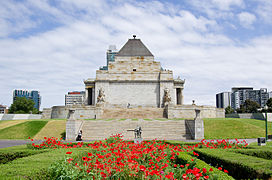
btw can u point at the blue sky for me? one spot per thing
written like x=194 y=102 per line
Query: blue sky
x=52 y=46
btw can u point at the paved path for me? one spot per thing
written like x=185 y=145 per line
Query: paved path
x=10 y=143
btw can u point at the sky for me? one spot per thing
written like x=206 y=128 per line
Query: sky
x=53 y=45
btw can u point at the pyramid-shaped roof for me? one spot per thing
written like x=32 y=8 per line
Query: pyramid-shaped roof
x=134 y=47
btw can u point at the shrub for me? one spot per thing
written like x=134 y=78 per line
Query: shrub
x=185 y=158
x=242 y=166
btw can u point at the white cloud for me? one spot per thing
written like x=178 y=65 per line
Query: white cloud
x=57 y=60
x=227 y=4
x=246 y=19
x=264 y=10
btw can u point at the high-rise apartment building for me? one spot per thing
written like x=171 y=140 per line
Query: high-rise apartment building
x=239 y=95
x=223 y=100
x=33 y=95
x=111 y=53
x=74 y=98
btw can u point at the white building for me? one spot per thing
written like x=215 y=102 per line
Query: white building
x=134 y=78
x=75 y=98
x=223 y=100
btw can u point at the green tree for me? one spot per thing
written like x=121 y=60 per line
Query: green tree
x=229 y=110
x=22 y=105
x=269 y=104
x=249 y=106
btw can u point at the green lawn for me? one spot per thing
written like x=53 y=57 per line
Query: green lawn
x=223 y=128
x=22 y=130
x=23 y=168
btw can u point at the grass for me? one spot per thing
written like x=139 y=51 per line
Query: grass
x=28 y=166
x=134 y=119
x=52 y=129
x=230 y=128
x=23 y=130
x=148 y=119
x=122 y=119
x=5 y=124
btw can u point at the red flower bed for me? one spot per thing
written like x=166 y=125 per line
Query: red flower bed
x=150 y=159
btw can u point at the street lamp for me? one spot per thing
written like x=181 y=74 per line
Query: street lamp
x=265 y=107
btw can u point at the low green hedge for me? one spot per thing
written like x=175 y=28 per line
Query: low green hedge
x=265 y=154
x=240 y=166
x=185 y=158
x=6 y=157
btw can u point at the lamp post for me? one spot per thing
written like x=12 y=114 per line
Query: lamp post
x=265 y=107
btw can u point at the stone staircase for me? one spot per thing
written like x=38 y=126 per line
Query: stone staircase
x=118 y=113
x=151 y=129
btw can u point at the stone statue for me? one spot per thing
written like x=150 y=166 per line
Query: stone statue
x=138 y=132
x=167 y=97
x=101 y=96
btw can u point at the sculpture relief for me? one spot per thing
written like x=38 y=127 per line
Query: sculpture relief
x=167 y=97
x=101 y=96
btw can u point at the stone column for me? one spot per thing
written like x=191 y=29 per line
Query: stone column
x=72 y=126
x=86 y=96
x=181 y=96
x=199 y=126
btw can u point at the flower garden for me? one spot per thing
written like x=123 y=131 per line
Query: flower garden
x=115 y=158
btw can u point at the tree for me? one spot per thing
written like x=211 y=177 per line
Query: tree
x=229 y=110
x=269 y=104
x=249 y=106
x=22 y=105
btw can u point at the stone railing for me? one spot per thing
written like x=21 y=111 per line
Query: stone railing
x=19 y=116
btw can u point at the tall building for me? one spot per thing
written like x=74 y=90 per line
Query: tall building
x=33 y=95
x=74 y=98
x=111 y=53
x=239 y=96
x=270 y=94
x=223 y=100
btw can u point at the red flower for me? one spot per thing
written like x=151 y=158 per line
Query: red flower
x=226 y=171
x=204 y=170
x=220 y=168
x=68 y=152
x=206 y=177
x=211 y=170
x=142 y=167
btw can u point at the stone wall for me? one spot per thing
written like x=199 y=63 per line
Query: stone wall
x=188 y=112
x=260 y=116
x=82 y=112
x=46 y=113
x=19 y=116
x=72 y=128
x=137 y=94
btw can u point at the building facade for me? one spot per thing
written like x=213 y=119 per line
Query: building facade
x=33 y=95
x=133 y=78
x=133 y=85
x=3 y=109
x=239 y=95
x=223 y=100
x=75 y=98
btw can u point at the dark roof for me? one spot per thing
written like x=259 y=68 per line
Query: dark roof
x=134 y=47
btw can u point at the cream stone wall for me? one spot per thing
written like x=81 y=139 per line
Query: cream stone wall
x=188 y=112
x=145 y=94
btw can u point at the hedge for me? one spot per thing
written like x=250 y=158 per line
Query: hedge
x=265 y=154
x=6 y=157
x=185 y=158
x=240 y=166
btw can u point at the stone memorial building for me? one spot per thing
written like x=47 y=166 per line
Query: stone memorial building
x=133 y=85
x=134 y=79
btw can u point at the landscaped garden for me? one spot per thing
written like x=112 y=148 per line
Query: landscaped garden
x=215 y=128
x=118 y=159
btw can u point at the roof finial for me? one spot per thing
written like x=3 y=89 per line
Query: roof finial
x=134 y=36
